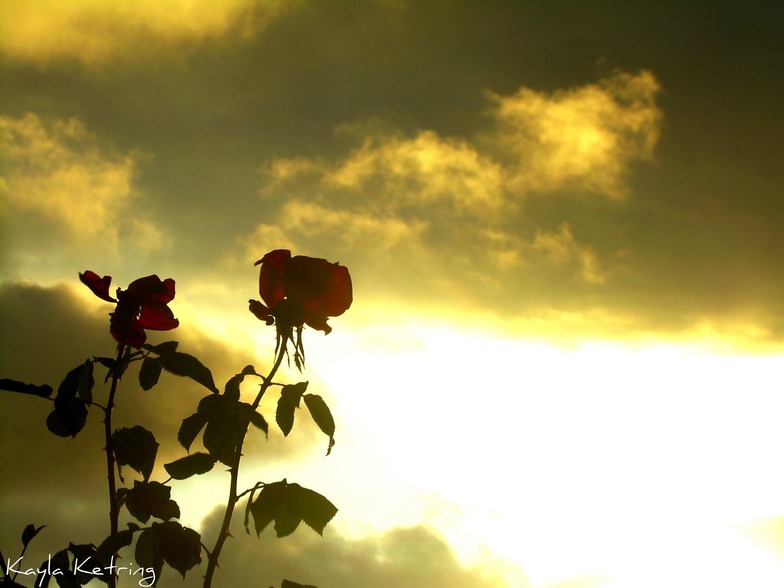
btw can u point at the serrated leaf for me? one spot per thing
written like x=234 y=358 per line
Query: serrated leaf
x=249 y=370
x=68 y=417
x=290 y=584
x=182 y=364
x=29 y=532
x=231 y=392
x=57 y=563
x=190 y=428
x=287 y=404
x=113 y=543
x=213 y=404
x=148 y=551
x=313 y=508
x=44 y=391
x=322 y=416
x=86 y=381
x=161 y=348
x=149 y=373
x=190 y=465
x=86 y=553
x=70 y=384
x=246 y=412
x=286 y=521
x=266 y=504
x=180 y=546
x=222 y=435
x=148 y=499
x=135 y=447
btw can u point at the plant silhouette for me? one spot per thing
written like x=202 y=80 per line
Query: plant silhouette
x=295 y=291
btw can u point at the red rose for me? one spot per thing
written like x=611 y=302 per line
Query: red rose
x=301 y=290
x=142 y=306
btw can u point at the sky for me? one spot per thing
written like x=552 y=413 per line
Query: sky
x=563 y=363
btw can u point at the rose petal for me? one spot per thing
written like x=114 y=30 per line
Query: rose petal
x=128 y=333
x=272 y=276
x=260 y=311
x=98 y=285
x=151 y=289
x=157 y=317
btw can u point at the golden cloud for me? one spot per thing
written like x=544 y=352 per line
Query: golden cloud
x=561 y=248
x=584 y=138
x=457 y=205
x=57 y=174
x=94 y=32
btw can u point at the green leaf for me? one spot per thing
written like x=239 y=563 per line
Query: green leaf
x=190 y=428
x=288 y=402
x=323 y=417
x=44 y=391
x=148 y=499
x=29 y=532
x=190 y=465
x=182 y=364
x=311 y=506
x=135 y=447
x=150 y=372
x=180 y=546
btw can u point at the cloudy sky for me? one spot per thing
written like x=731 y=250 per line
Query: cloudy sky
x=563 y=365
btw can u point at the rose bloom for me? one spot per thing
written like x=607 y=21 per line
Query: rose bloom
x=142 y=306
x=300 y=290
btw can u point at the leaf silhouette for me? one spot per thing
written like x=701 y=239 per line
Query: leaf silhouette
x=190 y=428
x=148 y=499
x=135 y=447
x=290 y=584
x=323 y=417
x=287 y=404
x=150 y=372
x=44 y=391
x=29 y=532
x=68 y=417
x=182 y=364
x=148 y=551
x=180 y=546
x=314 y=509
x=190 y=465
x=288 y=505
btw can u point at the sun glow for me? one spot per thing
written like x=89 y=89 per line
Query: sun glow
x=599 y=460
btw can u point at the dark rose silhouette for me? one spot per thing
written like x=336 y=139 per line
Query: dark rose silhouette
x=300 y=291
x=142 y=306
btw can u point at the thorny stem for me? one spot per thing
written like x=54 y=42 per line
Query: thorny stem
x=114 y=511
x=223 y=534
